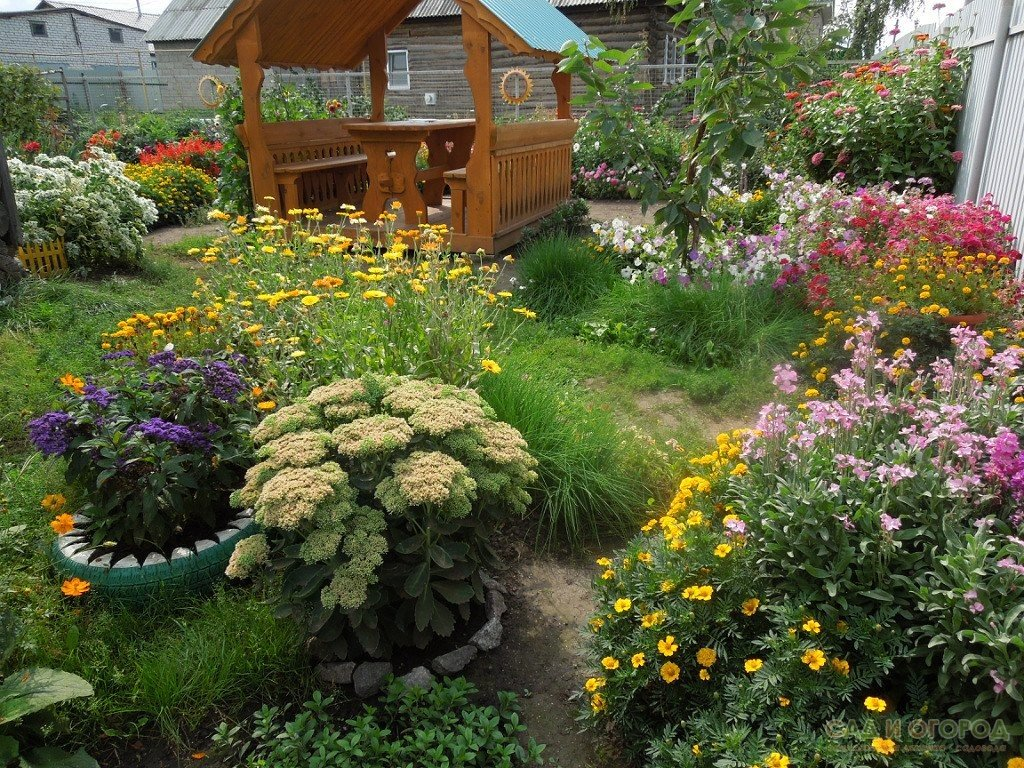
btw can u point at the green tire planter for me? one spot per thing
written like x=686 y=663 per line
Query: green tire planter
x=187 y=570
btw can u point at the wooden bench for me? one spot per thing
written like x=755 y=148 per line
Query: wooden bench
x=456 y=181
x=317 y=163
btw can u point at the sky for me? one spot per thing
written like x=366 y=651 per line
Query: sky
x=156 y=6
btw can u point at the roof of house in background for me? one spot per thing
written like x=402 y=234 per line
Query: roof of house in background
x=433 y=8
x=122 y=18
x=187 y=20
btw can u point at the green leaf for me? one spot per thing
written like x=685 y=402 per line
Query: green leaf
x=31 y=690
x=424 y=610
x=416 y=583
x=52 y=757
x=457 y=592
x=440 y=557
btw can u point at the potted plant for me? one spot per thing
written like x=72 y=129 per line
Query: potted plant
x=154 y=446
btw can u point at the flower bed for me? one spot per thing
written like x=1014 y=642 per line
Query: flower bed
x=855 y=562
x=193 y=151
x=179 y=191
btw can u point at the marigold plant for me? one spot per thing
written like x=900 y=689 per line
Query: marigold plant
x=179 y=191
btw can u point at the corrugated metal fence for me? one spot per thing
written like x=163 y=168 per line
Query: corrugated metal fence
x=992 y=132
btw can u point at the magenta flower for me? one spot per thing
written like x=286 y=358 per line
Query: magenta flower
x=817 y=158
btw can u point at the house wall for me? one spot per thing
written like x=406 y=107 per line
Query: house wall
x=73 y=39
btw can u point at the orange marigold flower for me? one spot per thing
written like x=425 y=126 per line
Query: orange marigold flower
x=62 y=524
x=74 y=587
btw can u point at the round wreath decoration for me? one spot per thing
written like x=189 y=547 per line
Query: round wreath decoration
x=510 y=77
x=217 y=97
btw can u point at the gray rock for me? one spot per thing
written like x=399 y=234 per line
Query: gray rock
x=418 y=678
x=154 y=558
x=453 y=662
x=488 y=637
x=495 y=604
x=336 y=673
x=368 y=677
x=490 y=583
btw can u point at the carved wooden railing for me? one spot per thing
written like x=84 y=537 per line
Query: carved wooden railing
x=531 y=171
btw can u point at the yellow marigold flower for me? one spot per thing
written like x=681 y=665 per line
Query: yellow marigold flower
x=750 y=606
x=609 y=574
x=645 y=557
x=698 y=593
x=62 y=524
x=722 y=550
x=668 y=646
x=623 y=604
x=652 y=619
x=53 y=502
x=669 y=672
x=368 y=295
x=841 y=666
x=310 y=300
x=596 y=623
x=776 y=760
x=783 y=701
x=610 y=662
x=704 y=675
x=667 y=585
x=266 y=405
x=1015 y=762
x=604 y=562
x=74 y=587
x=73 y=383
x=594 y=683
x=706 y=657
x=812 y=626
x=875 y=704
x=752 y=665
x=638 y=660
x=883 y=746
x=815 y=659
x=598 y=703
x=490 y=366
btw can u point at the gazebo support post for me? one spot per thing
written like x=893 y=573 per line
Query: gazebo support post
x=562 y=81
x=378 y=74
x=481 y=218
x=261 y=164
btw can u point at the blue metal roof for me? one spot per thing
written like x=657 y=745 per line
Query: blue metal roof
x=539 y=24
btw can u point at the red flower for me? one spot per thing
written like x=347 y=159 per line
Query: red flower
x=31 y=147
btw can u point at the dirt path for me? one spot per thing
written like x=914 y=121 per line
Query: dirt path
x=174 y=235
x=540 y=657
x=606 y=210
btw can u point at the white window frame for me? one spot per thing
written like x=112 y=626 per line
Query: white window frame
x=673 y=61
x=34 y=25
x=399 y=80
x=119 y=33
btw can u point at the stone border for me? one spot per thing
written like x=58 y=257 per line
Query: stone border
x=367 y=677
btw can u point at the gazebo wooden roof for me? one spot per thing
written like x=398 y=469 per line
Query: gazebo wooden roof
x=515 y=174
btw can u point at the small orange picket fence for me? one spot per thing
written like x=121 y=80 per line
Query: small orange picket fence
x=44 y=259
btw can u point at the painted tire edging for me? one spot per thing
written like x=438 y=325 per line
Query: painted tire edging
x=186 y=569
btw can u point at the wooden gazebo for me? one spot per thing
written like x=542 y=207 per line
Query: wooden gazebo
x=501 y=177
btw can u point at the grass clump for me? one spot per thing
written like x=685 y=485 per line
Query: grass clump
x=721 y=324
x=594 y=478
x=562 y=276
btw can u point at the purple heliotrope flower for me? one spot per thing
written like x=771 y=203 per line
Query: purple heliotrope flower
x=119 y=355
x=187 y=437
x=223 y=382
x=170 y=360
x=98 y=395
x=51 y=433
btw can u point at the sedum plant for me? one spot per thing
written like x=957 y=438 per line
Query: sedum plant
x=378 y=496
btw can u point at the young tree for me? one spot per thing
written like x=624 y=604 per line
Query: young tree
x=867 y=21
x=747 y=56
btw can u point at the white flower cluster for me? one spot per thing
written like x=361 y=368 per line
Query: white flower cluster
x=90 y=203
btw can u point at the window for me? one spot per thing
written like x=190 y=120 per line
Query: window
x=674 y=61
x=398 y=71
x=38 y=28
x=116 y=34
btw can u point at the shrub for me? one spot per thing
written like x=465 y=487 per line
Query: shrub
x=28 y=100
x=155 y=445
x=432 y=728
x=570 y=217
x=378 y=496
x=592 y=475
x=882 y=121
x=179 y=191
x=754 y=213
x=848 y=562
x=312 y=305
x=602 y=168
x=98 y=211
x=193 y=151
x=562 y=276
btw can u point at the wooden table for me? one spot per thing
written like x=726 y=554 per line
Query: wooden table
x=391 y=148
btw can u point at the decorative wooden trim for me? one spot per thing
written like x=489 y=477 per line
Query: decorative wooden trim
x=500 y=31
x=215 y=48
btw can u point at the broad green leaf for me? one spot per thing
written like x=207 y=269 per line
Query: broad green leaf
x=31 y=690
